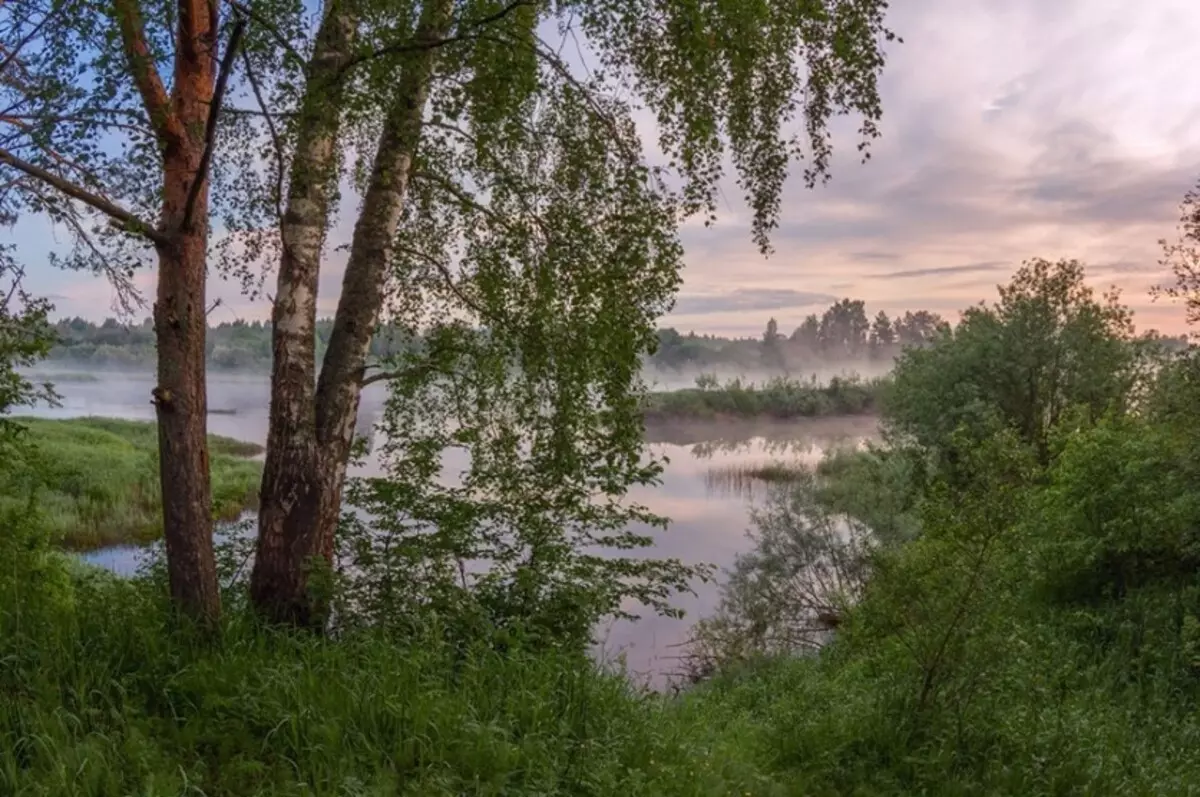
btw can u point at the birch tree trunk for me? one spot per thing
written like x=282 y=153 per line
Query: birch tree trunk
x=290 y=487
x=312 y=434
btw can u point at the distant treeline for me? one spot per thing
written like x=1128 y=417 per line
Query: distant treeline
x=232 y=345
x=844 y=333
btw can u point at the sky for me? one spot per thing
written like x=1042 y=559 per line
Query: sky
x=1012 y=129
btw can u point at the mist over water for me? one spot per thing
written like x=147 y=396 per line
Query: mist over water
x=709 y=510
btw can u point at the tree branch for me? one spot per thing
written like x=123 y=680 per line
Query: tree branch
x=127 y=220
x=260 y=113
x=386 y=376
x=11 y=55
x=457 y=192
x=409 y=46
x=210 y=128
x=444 y=270
x=128 y=297
x=23 y=120
x=86 y=174
x=145 y=74
x=265 y=24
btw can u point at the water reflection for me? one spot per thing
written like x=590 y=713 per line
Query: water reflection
x=708 y=519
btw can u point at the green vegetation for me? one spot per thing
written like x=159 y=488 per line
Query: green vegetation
x=777 y=399
x=1027 y=623
x=1003 y=599
x=153 y=712
x=99 y=479
x=843 y=335
x=748 y=480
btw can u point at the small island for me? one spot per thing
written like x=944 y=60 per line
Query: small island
x=778 y=399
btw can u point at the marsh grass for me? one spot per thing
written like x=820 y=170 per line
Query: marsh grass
x=99 y=479
x=747 y=480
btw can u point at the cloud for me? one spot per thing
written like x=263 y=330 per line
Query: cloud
x=747 y=299
x=873 y=256
x=990 y=265
x=1012 y=129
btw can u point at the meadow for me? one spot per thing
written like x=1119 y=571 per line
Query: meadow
x=97 y=479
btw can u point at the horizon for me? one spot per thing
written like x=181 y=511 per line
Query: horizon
x=786 y=329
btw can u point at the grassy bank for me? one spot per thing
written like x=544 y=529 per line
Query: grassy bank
x=777 y=399
x=99 y=484
x=271 y=713
x=103 y=699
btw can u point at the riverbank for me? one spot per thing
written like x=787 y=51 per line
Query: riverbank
x=97 y=479
x=779 y=399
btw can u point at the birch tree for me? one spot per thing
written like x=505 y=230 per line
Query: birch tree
x=473 y=208
x=501 y=182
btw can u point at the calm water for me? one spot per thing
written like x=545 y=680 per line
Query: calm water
x=709 y=511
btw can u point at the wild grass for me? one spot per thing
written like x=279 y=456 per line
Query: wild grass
x=777 y=399
x=104 y=695
x=99 y=479
x=103 y=699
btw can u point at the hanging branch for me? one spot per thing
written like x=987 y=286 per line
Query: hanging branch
x=276 y=141
x=409 y=46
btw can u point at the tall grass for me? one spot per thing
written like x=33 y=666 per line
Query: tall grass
x=778 y=399
x=105 y=699
x=99 y=479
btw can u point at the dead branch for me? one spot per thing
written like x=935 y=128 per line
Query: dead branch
x=276 y=141
x=127 y=220
x=264 y=23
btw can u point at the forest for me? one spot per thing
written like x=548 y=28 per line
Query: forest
x=996 y=594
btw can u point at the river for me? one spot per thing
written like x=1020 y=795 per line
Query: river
x=701 y=492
